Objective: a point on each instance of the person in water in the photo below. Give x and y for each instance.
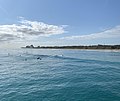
(38, 58)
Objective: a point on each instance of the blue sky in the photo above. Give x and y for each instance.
(59, 22)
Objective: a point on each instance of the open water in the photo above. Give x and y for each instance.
(59, 75)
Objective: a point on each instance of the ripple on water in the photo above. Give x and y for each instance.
(72, 76)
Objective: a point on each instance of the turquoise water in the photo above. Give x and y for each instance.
(59, 75)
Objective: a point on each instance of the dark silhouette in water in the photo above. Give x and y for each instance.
(8, 54)
(38, 58)
(25, 59)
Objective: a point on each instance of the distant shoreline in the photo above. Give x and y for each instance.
(92, 47)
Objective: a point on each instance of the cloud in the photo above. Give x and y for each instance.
(110, 33)
(26, 29)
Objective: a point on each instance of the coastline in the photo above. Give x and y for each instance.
(91, 47)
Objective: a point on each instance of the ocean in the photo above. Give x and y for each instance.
(59, 75)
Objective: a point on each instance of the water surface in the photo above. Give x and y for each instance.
(59, 75)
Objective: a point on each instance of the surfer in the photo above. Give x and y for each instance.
(38, 58)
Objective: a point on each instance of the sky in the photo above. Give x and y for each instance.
(59, 22)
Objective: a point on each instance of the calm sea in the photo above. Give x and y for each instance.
(59, 75)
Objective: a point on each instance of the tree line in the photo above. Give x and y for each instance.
(76, 47)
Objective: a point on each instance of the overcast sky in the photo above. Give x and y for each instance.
(59, 22)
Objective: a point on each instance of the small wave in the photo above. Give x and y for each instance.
(87, 60)
(29, 56)
(42, 56)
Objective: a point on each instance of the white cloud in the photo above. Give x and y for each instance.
(110, 33)
(27, 29)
